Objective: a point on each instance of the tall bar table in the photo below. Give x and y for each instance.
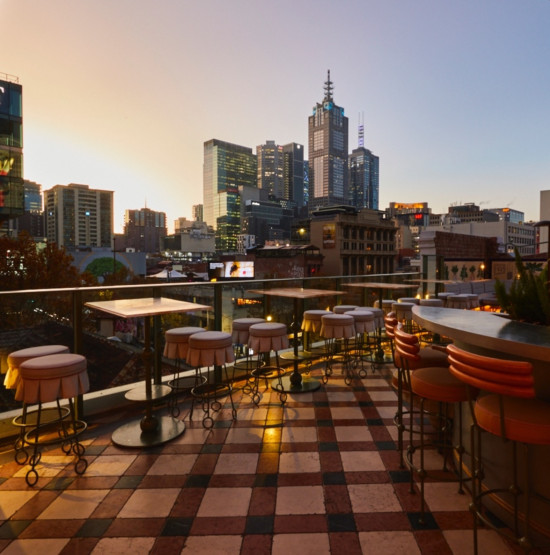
(295, 383)
(149, 430)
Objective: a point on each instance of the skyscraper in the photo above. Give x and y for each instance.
(144, 229)
(77, 216)
(270, 169)
(328, 152)
(363, 179)
(226, 166)
(11, 147)
(293, 173)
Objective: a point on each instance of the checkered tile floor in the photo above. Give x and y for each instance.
(319, 475)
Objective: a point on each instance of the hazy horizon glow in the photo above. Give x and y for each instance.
(121, 95)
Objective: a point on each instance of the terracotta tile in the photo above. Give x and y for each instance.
(205, 464)
(232, 480)
(187, 503)
(135, 527)
(345, 543)
(227, 525)
(305, 479)
(331, 461)
(382, 521)
(82, 546)
(337, 499)
(256, 544)
(432, 542)
(268, 463)
(52, 528)
(111, 504)
(172, 544)
(262, 501)
(299, 524)
(26, 505)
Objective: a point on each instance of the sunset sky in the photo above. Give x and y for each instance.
(122, 94)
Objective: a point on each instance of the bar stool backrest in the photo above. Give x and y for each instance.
(390, 322)
(406, 345)
(513, 378)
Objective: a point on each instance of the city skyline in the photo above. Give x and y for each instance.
(122, 95)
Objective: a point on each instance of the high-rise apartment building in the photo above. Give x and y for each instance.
(270, 169)
(328, 152)
(11, 147)
(293, 173)
(197, 212)
(144, 230)
(226, 167)
(363, 179)
(77, 216)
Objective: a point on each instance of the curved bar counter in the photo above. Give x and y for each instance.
(490, 334)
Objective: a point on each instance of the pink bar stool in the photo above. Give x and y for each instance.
(11, 381)
(176, 344)
(343, 308)
(264, 339)
(311, 327)
(365, 328)
(337, 330)
(46, 379)
(212, 349)
(240, 334)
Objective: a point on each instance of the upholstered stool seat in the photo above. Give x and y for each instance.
(473, 300)
(444, 295)
(458, 301)
(176, 345)
(378, 315)
(337, 330)
(46, 379)
(413, 300)
(240, 329)
(264, 338)
(432, 302)
(208, 349)
(176, 341)
(17, 358)
(386, 305)
(343, 308)
(403, 313)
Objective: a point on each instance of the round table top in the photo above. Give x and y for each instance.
(487, 330)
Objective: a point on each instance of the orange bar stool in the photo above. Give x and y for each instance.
(426, 357)
(365, 329)
(212, 349)
(11, 381)
(437, 387)
(46, 379)
(311, 328)
(337, 330)
(239, 333)
(263, 339)
(176, 345)
(508, 409)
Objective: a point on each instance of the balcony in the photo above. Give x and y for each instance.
(319, 475)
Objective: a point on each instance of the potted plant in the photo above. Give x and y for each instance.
(528, 299)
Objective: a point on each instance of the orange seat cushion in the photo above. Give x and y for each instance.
(526, 420)
(438, 384)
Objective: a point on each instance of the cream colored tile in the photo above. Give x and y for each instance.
(208, 545)
(244, 435)
(49, 466)
(300, 461)
(304, 544)
(387, 412)
(12, 501)
(347, 413)
(74, 504)
(123, 546)
(237, 463)
(225, 502)
(352, 433)
(299, 434)
(341, 396)
(49, 546)
(389, 543)
(383, 396)
(298, 413)
(300, 500)
(110, 465)
(372, 498)
(149, 503)
(174, 465)
(360, 461)
(444, 496)
(489, 541)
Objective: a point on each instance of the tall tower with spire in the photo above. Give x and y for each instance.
(328, 152)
